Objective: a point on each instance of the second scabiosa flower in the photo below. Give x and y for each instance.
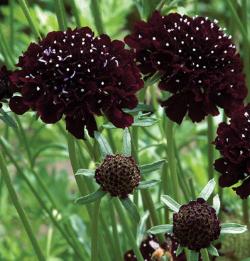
(79, 76)
(197, 62)
(233, 142)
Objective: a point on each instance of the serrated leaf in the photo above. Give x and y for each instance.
(212, 251)
(161, 229)
(141, 228)
(171, 203)
(6, 118)
(126, 142)
(148, 168)
(131, 208)
(91, 197)
(193, 256)
(104, 146)
(233, 228)
(85, 172)
(148, 184)
(179, 250)
(208, 190)
(216, 203)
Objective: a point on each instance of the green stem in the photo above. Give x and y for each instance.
(6, 51)
(27, 14)
(210, 139)
(171, 158)
(95, 10)
(245, 212)
(60, 13)
(20, 210)
(204, 254)
(11, 25)
(118, 252)
(24, 139)
(94, 231)
(127, 230)
(36, 194)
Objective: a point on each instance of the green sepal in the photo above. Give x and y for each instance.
(232, 228)
(161, 229)
(216, 203)
(171, 203)
(179, 250)
(148, 168)
(212, 250)
(85, 172)
(126, 142)
(193, 255)
(103, 144)
(208, 190)
(91, 197)
(131, 209)
(147, 184)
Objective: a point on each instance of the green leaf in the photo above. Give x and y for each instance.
(141, 228)
(216, 203)
(104, 146)
(6, 118)
(233, 228)
(179, 250)
(140, 107)
(148, 184)
(131, 208)
(171, 203)
(148, 168)
(161, 229)
(91, 197)
(144, 120)
(208, 190)
(212, 251)
(193, 256)
(85, 172)
(126, 142)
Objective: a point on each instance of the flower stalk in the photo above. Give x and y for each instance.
(210, 151)
(20, 209)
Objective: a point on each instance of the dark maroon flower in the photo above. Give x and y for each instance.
(118, 174)
(233, 142)
(198, 62)
(79, 76)
(151, 249)
(6, 87)
(196, 225)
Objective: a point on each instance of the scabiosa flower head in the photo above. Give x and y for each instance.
(196, 225)
(77, 75)
(233, 142)
(118, 174)
(6, 87)
(198, 63)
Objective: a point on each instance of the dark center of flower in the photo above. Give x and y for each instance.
(196, 225)
(118, 174)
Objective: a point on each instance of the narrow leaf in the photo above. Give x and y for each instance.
(233, 228)
(104, 146)
(131, 208)
(161, 229)
(6, 118)
(216, 203)
(194, 256)
(171, 203)
(91, 197)
(212, 251)
(141, 228)
(148, 183)
(126, 142)
(85, 172)
(148, 168)
(208, 189)
(179, 250)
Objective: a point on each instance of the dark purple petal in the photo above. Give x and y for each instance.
(17, 105)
